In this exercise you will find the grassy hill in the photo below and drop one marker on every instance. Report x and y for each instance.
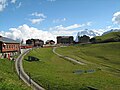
(110, 37)
(104, 53)
(8, 78)
(56, 73)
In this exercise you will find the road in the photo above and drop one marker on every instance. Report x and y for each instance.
(22, 75)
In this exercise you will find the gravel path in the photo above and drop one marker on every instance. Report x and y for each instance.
(68, 58)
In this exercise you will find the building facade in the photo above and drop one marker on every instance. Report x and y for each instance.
(8, 47)
(83, 39)
(65, 40)
(35, 42)
(51, 42)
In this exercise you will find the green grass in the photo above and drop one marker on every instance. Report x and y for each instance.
(106, 54)
(8, 77)
(114, 36)
(55, 73)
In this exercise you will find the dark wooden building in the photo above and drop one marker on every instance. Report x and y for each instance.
(51, 42)
(65, 40)
(35, 42)
(8, 47)
(83, 39)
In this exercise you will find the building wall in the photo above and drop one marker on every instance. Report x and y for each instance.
(84, 39)
(65, 40)
(7, 50)
(7, 47)
(30, 42)
(34, 42)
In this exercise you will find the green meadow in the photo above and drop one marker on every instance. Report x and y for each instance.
(111, 37)
(8, 77)
(101, 69)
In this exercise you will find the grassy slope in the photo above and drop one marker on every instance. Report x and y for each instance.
(55, 73)
(107, 54)
(8, 78)
(113, 35)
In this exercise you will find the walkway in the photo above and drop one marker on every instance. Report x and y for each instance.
(23, 75)
(68, 58)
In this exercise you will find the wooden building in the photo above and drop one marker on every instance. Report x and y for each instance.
(65, 40)
(8, 47)
(35, 42)
(83, 39)
(51, 42)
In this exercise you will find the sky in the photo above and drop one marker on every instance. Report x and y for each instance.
(46, 19)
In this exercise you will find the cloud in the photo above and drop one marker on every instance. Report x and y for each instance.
(38, 14)
(74, 26)
(36, 21)
(3, 4)
(13, 1)
(70, 30)
(59, 20)
(26, 32)
(51, 0)
(19, 5)
(61, 30)
(40, 17)
(116, 18)
(89, 23)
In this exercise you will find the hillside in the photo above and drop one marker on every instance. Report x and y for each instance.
(8, 77)
(56, 73)
(109, 37)
(104, 54)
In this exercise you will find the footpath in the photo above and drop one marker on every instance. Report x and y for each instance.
(68, 58)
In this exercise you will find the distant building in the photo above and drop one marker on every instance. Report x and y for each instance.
(35, 42)
(83, 39)
(65, 40)
(8, 47)
(51, 42)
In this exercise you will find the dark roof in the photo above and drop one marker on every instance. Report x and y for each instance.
(64, 36)
(50, 41)
(7, 40)
(35, 40)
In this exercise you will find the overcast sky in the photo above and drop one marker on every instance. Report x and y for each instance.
(46, 19)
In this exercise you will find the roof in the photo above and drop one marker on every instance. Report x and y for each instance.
(64, 36)
(35, 40)
(7, 40)
(50, 41)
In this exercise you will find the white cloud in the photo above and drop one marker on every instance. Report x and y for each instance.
(36, 21)
(59, 20)
(75, 26)
(69, 30)
(3, 4)
(109, 27)
(51, 0)
(116, 18)
(38, 14)
(64, 31)
(19, 5)
(40, 17)
(89, 23)
(13, 1)
(26, 32)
